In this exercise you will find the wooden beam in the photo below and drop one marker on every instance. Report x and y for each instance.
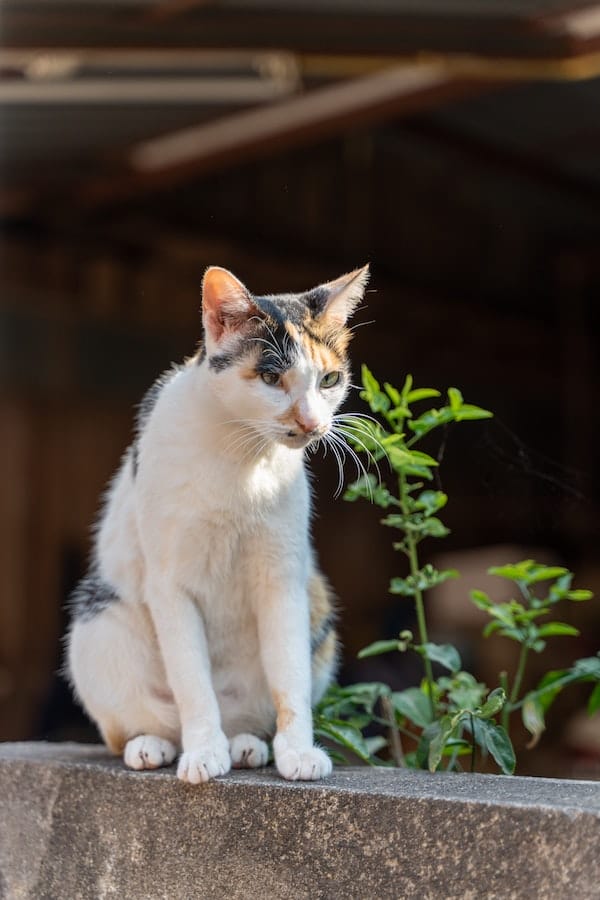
(319, 114)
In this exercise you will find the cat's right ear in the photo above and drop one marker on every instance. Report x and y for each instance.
(226, 303)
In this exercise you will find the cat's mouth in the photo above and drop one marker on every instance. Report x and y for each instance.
(301, 438)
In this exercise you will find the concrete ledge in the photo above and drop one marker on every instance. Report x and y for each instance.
(74, 823)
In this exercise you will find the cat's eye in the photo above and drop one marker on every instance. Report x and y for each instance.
(271, 378)
(330, 379)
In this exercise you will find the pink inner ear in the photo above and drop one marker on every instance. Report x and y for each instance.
(226, 303)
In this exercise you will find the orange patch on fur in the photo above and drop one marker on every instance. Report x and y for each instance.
(290, 415)
(319, 594)
(285, 716)
(114, 739)
(292, 331)
(248, 371)
(326, 346)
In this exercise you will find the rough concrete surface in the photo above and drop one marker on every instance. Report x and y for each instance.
(74, 823)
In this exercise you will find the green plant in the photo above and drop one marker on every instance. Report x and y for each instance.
(451, 715)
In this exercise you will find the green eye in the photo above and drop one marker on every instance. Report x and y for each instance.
(271, 378)
(330, 380)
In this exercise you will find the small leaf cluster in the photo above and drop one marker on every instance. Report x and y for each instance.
(519, 620)
(523, 620)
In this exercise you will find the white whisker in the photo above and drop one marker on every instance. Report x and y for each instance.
(360, 468)
(366, 450)
(327, 438)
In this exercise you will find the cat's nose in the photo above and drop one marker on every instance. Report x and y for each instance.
(307, 424)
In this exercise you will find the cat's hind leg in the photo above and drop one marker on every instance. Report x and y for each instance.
(115, 667)
(248, 752)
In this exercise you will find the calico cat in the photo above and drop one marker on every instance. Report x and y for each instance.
(204, 625)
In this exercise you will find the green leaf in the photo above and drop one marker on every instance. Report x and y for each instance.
(438, 742)
(457, 746)
(433, 527)
(470, 413)
(555, 628)
(494, 739)
(504, 613)
(529, 572)
(426, 578)
(400, 457)
(393, 394)
(580, 595)
(344, 734)
(545, 573)
(481, 600)
(406, 387)
(586, 667)
(414, 705)
(427, 735)
(594, 701)
(367, 487)
(375, 743)
(421, 394)
(372, 394)
(464, 691)
(455, 399)
(431, 501)
(494, 703)
(548, 688)
(377, 648)
(532, 713)
(444, 654)
(491, 628)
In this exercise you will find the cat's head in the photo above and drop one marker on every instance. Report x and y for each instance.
(279, 363)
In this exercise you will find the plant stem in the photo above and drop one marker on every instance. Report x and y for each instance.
(505, 709)
(514, 694)
(473, 745)
(395, 742)
(411, 547)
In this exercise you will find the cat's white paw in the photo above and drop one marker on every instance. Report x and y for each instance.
(300, 764)
(248, 752)
(149, 752)
(204, 763)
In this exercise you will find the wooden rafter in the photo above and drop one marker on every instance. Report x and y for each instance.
(318, 114)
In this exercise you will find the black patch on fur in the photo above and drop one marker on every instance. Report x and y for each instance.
(221, 361)
(145, 409)
(91, 596)
(322, 633)
(316, 299)
(133, 455)
(278, 351)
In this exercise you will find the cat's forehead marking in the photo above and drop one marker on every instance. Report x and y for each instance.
(292, 330)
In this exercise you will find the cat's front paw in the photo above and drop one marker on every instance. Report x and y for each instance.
(206, 762)
(297, 764)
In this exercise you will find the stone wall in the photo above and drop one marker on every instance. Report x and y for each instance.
(75, 824)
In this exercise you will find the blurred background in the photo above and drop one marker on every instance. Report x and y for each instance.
(454, 144)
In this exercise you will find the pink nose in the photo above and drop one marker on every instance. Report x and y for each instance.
(307, 424)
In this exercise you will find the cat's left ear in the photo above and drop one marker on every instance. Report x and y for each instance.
(226, 303)
(335, 301)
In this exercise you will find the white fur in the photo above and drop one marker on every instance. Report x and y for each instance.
(208, 550)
